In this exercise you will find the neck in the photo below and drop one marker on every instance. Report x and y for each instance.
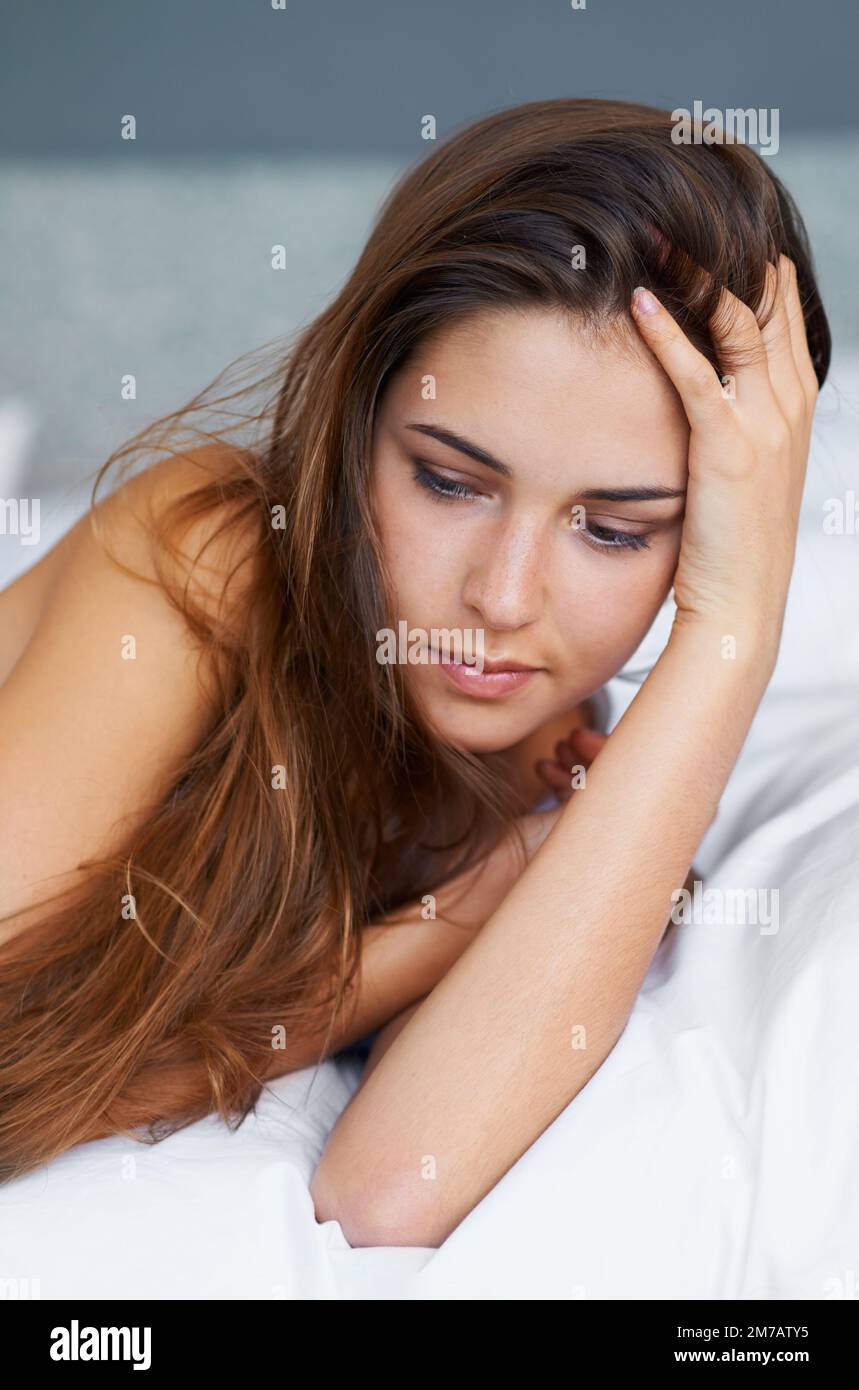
(521, 758)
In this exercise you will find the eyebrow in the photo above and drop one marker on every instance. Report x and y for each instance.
(655, 493)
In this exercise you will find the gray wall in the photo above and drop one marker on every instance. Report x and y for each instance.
(336, 76)
(258, 127)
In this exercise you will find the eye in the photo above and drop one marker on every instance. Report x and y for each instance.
(445, 489)
(607, 538)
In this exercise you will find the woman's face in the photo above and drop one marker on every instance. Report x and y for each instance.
(543, 552)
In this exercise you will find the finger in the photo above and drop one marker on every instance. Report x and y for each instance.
(564, 753)
(738, 341)
(777, 340)
(698, 385)
(552, 773)
(555, 778)
(798, 335)
(587, 743)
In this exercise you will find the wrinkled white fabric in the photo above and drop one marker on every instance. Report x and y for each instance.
(714, 1154)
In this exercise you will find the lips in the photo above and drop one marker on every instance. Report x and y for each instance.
(503, 665)
(498, 678)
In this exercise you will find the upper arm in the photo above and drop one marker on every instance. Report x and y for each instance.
(108, 696)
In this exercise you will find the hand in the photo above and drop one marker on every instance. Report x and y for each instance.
(578, 749)
(747, 459)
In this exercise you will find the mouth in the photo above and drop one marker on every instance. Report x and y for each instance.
(498, 678)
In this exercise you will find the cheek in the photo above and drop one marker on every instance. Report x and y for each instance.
(420, 552)
(603, 611)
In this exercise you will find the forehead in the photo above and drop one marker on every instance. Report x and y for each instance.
(541, 390)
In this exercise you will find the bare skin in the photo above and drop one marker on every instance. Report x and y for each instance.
(571, 417)
(504, 941)
(485, 1063)
(61, 624)
(70, 705)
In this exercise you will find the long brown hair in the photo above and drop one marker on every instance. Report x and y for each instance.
(250, 897)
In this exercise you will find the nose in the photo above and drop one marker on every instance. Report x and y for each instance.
(505, 578)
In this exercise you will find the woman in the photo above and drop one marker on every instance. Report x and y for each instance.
(265, 838)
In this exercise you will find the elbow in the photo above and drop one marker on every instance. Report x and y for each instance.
(374, 1212)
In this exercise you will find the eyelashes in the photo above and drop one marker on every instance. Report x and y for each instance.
(441, 487)
(598, 537)
(608, 539)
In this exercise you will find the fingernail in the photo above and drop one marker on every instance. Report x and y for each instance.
(643, 301)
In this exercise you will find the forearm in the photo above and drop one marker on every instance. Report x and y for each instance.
(491, 1057)
(405, 953)
(386, 1035)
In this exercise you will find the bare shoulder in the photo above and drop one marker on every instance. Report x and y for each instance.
(215, 535)
(109, 693)
(218, 544)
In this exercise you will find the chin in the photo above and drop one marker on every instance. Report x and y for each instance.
(483, 726)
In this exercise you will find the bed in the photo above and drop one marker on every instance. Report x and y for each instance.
(713, 1155)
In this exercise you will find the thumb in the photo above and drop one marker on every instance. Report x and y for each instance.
(587, 742)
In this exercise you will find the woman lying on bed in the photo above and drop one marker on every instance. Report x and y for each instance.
(237, 834)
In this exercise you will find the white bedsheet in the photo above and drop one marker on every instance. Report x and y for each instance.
(715, 1152)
